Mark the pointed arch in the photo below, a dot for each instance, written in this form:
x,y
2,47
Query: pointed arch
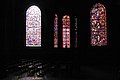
x,y
66,31
56,31
98,25
33,26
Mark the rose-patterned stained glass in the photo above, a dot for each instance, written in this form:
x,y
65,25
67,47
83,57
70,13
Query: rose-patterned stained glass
x,y
33,26
56,31
98,25
66,31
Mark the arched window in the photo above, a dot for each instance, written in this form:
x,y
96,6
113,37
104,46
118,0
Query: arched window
x,y
33,26
56,31
66,31
98,25
75,32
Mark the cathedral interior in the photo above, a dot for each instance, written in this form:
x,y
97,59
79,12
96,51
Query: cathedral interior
x,y
86,62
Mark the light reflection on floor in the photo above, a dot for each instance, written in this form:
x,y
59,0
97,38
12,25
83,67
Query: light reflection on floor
x,y
22,77
31,78
36,70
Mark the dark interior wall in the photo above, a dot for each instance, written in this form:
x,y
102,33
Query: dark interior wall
x,y
13,33
14,30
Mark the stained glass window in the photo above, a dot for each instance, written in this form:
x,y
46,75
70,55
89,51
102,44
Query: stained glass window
x,y
33,26
98,25
56,31
75,32
66,31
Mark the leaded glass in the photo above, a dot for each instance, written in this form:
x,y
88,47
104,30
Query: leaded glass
x,y
56,31
98,25
33,26
66,31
